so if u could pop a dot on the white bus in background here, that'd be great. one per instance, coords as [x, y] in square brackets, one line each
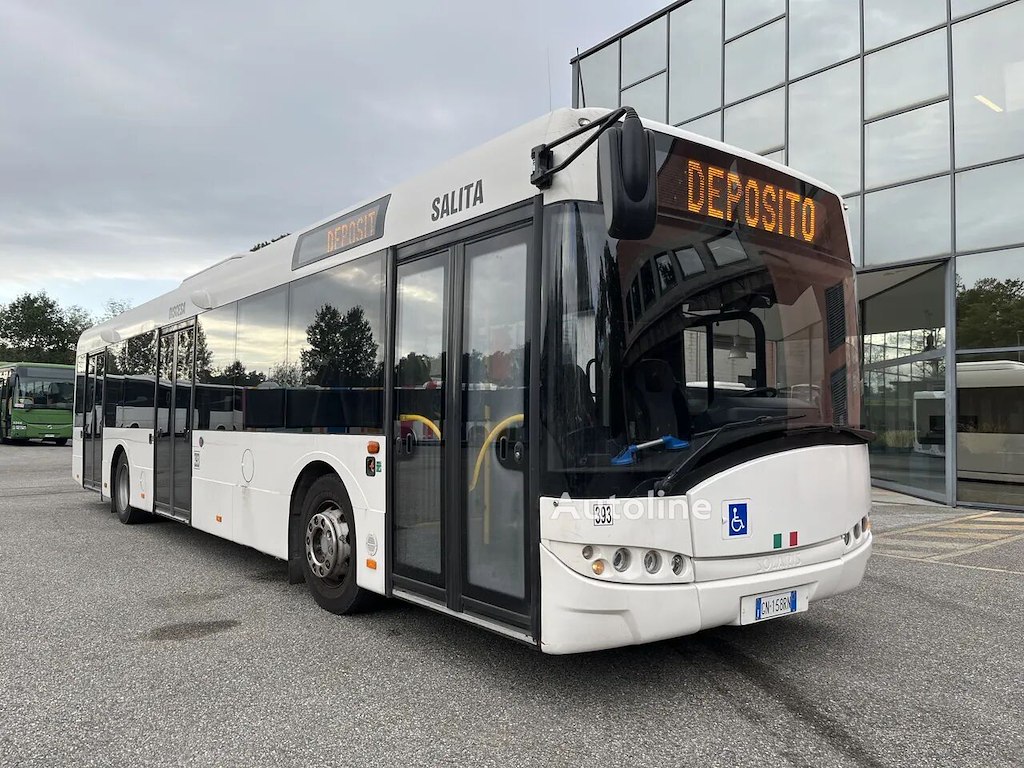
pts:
[990, 423]
[558, 480]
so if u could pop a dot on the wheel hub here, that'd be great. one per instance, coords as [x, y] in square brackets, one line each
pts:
[327, 547]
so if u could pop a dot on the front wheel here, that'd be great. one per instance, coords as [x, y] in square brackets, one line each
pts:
[329, 548]
[120, 497]
[61, 441]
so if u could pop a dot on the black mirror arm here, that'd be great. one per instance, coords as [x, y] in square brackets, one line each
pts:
[543, 172]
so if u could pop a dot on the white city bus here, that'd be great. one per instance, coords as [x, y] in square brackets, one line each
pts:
[592, 384]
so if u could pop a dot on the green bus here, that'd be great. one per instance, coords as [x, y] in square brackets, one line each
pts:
[36, 402]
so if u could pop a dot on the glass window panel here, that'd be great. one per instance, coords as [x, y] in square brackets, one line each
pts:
[218, 404]
[988, 86]
[853, 205]
[989, 300]
[907, 222]
[824, 127]
[336, 348]
[755, 62]
[989, 202]
[907, 146]
[965, 7]
[822, 33]
[644, 51]
[136, 358]
[599, 78]
[990, 428]
[648, 98]
[261, 358]
[904, 315]
[778, 157]
[758, 124]
[885, 20]
[709, 125]
[741, 15]
[906, 74]
[695, 60]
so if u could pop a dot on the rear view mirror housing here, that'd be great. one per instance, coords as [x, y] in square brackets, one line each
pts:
[628, 179]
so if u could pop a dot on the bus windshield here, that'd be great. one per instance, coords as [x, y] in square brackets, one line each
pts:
[740, 305]
[46, 388]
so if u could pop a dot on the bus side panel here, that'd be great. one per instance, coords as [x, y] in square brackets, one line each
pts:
[138, 447]
[257, 472]
[76, 454]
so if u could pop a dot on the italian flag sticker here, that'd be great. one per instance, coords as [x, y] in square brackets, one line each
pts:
[793, 540]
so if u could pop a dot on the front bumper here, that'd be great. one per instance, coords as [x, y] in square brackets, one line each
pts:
[583, 614]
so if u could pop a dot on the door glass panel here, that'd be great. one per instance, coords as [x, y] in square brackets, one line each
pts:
[419, 429]
[183, 420]
[494, 407]
[164, 411]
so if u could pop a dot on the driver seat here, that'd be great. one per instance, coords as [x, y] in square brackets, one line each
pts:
[661, 406]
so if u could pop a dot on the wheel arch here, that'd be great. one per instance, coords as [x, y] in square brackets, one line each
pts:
[115, 459]
[312, 470]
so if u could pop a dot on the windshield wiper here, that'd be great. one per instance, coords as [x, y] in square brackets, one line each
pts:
[628, 455]
[668, 481]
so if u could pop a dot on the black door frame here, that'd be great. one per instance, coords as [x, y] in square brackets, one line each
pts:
[452, 595]
[172, 331]
[94, 443]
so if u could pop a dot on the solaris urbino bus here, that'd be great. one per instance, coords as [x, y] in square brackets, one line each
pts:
[594, 383]
[36, 402]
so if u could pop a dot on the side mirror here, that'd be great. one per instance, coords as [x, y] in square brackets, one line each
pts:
[629, 179]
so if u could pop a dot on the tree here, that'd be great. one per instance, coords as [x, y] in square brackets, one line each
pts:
[990, 313]
[35, 327]
[265, 243]
[112, 308]
[342, 350]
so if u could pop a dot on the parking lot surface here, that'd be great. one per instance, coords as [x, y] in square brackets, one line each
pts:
[160, 645]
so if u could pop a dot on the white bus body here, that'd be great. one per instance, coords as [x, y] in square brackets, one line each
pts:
[521, 499]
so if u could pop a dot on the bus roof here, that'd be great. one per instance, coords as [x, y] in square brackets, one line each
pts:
[496, 175]
[25, 363]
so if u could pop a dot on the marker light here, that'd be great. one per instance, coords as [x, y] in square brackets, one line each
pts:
[598, 567]
[652, 561]
[865, 524]
[621, 559]
[588, 552]
[373, 447]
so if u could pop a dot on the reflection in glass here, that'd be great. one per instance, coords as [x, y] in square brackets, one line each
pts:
[695, 60]
[821, 33]
[741, 15]
[778, 156]
[965, 7]
[643, 51]
[218, 403]
[853, 205]
[885, 20]
[984, 220]
[709, 125]
[755, 62]
[824, 127]
[907, 146]
[990, 300]
[904, 338]
[988, 86]
[906, 74]
[260, 368]
[758, 124]
[136, 359]
[494, 402]
[907, 222]
[990, 428]
[599, 78]
[648, 98]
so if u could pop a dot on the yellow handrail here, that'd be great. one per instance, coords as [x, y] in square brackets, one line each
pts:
[502, 425]
[422, 420]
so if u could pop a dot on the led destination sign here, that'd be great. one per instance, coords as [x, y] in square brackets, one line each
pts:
[712, 191]
[340, 234]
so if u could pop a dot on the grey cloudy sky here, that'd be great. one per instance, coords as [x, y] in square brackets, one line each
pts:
[142, 141]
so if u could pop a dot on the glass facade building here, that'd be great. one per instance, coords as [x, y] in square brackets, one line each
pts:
[914, 112]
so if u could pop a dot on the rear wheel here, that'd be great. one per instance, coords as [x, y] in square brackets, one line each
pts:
[121, 494]
[329, 548]
[61, 441]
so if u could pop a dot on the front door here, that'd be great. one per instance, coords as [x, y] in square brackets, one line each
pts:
[460, 425]
[173, 440]
[92, 428]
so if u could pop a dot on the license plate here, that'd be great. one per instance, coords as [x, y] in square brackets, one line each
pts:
[757, 608]
[49, 435]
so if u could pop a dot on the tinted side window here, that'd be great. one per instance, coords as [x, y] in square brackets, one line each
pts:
[218, 403]
[135, 359]
[113, 400]
[336, 348]
[260, 369]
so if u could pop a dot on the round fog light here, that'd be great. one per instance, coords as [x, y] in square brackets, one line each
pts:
[678, 563]
[652, 561]
[588, 552]
[621, 559]
[598, 567]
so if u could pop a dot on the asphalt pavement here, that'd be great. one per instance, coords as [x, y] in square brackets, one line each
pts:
[160, 645]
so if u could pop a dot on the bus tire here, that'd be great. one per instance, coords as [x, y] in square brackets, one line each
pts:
[61, 441]
[120, 495]
[329, 550]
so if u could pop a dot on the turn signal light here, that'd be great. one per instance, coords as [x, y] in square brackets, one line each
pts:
[598, 567]
[371, 564]
[373, 447]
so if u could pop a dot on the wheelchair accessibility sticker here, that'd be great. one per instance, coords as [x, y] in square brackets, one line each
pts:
[735, 523]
